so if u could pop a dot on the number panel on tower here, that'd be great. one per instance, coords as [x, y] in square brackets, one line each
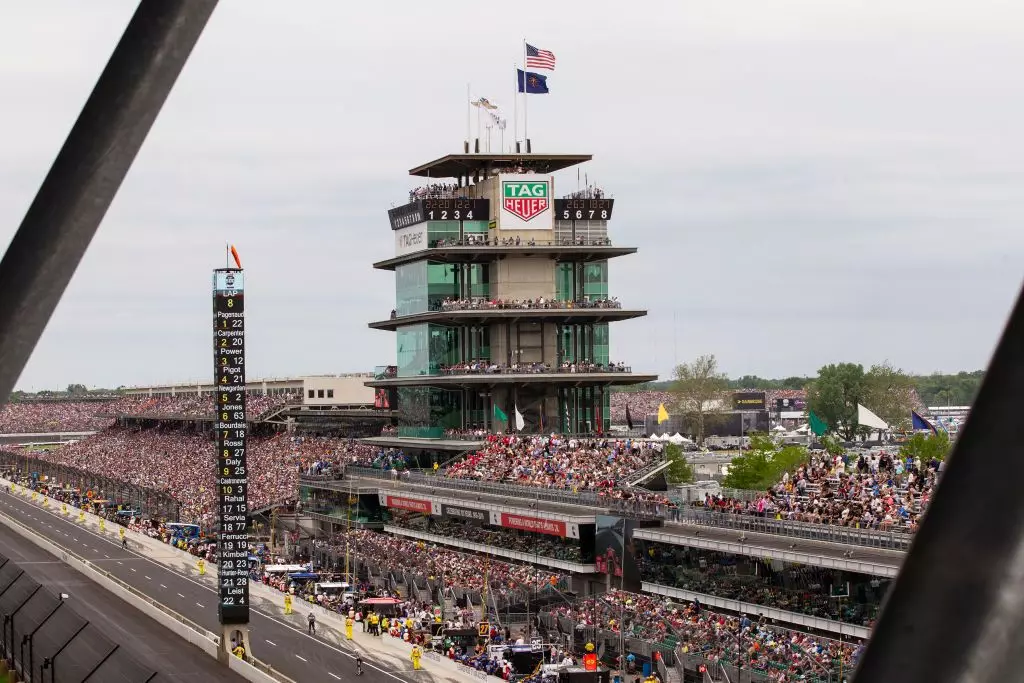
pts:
[230, 437]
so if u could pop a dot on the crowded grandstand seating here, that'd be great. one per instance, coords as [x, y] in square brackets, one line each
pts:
[183, 464]
[876, 490]
[486, 367]
[558, 548]
[540, 303]
[781, 654]
[38, 417]
[193, 406]
[555, 462]
[453, 568]
[803, 589]
[73, 416]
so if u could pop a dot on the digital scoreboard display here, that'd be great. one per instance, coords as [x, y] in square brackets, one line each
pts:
[232, 474]
[446, 209]
[583, 209]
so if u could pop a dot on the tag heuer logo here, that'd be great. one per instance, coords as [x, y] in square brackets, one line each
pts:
[526, 200]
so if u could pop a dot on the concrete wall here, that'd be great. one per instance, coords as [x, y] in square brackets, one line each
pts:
[523, 278]
[348, 390]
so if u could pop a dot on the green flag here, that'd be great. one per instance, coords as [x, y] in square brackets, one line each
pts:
[499, 414]
[818, 425]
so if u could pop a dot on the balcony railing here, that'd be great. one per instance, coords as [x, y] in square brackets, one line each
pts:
[482, 240]
[828, 533]
[539, 304]
[487, 368]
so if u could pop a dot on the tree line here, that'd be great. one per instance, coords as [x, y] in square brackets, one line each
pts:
[699, 390]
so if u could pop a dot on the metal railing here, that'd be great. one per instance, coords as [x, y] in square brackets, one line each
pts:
[487, 304]
[481, 240]
[559, 368]
[507, 491]
[869, 538]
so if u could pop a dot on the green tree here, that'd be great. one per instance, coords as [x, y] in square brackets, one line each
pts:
[834, 396]
[832, 445]
[77, 390]
[751, 470]
[763, 465]
[889, 394]
[926, 446]
[678, 470]
[698, 389]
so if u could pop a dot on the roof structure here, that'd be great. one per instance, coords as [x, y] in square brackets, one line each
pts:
[456, 165]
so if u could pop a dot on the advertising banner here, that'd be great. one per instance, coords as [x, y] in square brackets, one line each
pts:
[754, 400]
[470, 514]
[408, 240]
[526, 202]
[551, 527]
[413, 504]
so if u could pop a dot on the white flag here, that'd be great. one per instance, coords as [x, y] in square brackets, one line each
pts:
[520, 422]
[865, 418]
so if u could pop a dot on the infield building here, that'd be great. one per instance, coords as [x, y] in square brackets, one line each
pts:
[502, 301]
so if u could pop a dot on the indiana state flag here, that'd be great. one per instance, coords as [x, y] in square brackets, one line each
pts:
[921, 423]
[532, 83]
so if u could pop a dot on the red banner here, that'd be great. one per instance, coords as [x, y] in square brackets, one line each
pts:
[409, 504]
[541, 526]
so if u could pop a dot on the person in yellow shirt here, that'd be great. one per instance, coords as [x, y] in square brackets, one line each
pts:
[287, 603]
[416, 654]
[349, 621]
[201, 566]
[239, 651]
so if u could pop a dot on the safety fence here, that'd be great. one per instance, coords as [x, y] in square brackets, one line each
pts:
[145, 501]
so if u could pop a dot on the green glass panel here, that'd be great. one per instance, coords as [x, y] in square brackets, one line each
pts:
[427, 412]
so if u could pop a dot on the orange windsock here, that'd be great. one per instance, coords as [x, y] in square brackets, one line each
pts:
[234, 255]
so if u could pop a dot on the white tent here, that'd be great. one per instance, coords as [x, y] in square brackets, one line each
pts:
[779, 428]
[676, 438]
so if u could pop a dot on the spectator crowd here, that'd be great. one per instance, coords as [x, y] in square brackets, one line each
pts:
[780, 654]
[453, 569]
[31, 417]
[481, 304]
[483, 366]
[555, 462]
[183, 464]
[869, 490]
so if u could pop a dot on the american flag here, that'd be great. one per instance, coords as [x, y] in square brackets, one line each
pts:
[539, 59]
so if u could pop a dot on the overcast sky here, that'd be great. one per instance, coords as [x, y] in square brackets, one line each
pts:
[807, 181]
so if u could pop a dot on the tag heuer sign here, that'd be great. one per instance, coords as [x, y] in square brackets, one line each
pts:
[525, 199]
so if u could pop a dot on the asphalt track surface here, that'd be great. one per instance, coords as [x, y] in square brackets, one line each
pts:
[149, 643]
[283, 645]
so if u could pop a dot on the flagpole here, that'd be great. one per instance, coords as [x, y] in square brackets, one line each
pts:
[469, 97]
[515, 107]
[227, 255]
[526, 102]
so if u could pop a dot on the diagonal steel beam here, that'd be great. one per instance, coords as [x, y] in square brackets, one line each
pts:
[85, 176]
[956, 611]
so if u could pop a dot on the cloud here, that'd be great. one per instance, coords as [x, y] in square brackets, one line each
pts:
[807, 182]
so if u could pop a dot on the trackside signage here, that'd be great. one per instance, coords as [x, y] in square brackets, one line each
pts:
[412, 504]
[525, 202]
[551, 527]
